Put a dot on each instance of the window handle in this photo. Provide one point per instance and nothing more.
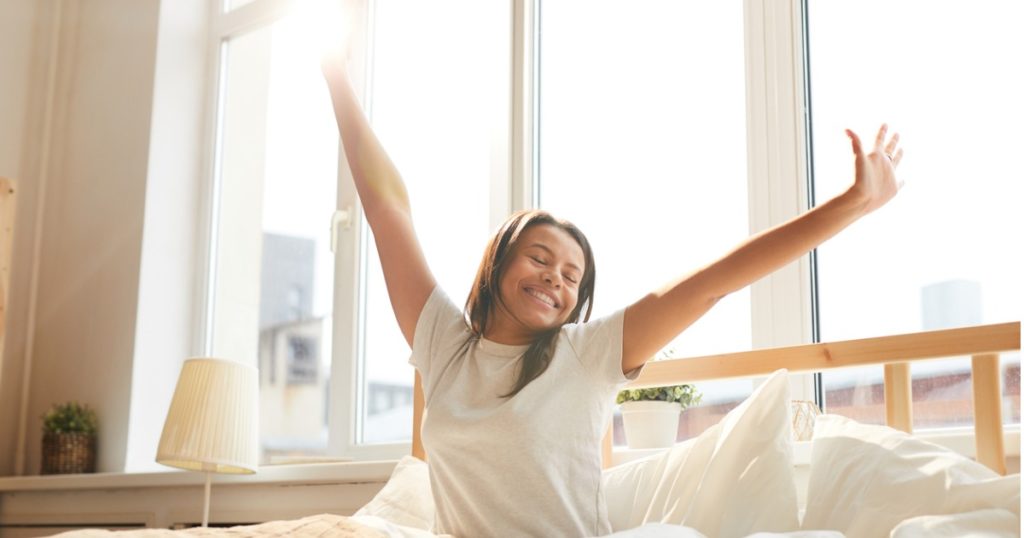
(342, 218)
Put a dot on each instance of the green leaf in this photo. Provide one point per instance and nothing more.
(70, 417)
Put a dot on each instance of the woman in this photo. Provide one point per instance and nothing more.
(519, 385)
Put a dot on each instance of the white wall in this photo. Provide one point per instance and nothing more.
(167, 288)
(95, 145)
(21, 41)
(92, 223)
(15, 48)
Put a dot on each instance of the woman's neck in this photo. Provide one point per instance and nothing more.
(508, 337)
(504, 329)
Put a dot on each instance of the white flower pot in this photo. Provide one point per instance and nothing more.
(650, 424)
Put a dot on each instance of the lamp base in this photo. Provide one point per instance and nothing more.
(206, 501)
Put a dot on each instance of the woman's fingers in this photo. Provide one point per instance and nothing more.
(880, 138)
(890, 148)
(855, 142)
(897, 157)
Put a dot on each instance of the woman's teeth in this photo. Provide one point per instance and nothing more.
(541, 296)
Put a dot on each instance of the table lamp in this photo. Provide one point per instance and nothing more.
(213, 423)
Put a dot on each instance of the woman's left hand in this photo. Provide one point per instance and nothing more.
(875, 182)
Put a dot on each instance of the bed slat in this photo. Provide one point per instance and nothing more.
(988, 412)
(899, 409)
(7, 200)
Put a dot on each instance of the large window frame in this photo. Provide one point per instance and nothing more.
(777, 139)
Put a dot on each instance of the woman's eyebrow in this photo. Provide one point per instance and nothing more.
(550, 252)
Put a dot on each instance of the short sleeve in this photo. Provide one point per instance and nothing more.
(598, 346)
(440, 332)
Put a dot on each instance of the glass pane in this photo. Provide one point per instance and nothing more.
(941, 255)
(273, 268)
(643, 146)
(434, 100)
(234, 4)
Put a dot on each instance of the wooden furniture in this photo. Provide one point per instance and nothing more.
(7, 199)
(982, 343)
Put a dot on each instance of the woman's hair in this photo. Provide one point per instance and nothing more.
(485, 294)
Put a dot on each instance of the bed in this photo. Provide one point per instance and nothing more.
(737, 477)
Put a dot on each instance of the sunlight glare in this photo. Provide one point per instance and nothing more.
(325, 26)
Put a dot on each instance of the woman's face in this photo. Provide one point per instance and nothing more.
(540, 285)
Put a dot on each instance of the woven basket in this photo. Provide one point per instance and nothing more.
(66, 453)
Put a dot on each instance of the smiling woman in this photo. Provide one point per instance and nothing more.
(537, 274)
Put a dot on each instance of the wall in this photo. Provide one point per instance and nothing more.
(164, 330)
(15, 48)
(106, 164)
(17, 25)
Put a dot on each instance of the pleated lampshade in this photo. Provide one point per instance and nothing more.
(213, 422)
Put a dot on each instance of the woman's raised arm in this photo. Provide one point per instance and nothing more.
(654, 320)
(385, 202)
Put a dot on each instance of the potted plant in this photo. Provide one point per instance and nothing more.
(69, 439)
(651, 415)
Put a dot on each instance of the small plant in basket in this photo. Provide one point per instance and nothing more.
(69, 439)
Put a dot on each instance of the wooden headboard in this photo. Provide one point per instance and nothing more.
(983, 344)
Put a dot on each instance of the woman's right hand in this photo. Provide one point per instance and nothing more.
(334, 65)
(875, 173)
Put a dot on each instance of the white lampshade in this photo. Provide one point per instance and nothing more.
(213, 422)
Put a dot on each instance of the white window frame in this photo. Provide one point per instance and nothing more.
(777, 170)
(777, 179)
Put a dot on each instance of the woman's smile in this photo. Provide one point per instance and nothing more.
(543, 297)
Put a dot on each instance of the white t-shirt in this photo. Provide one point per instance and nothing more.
(529, 465)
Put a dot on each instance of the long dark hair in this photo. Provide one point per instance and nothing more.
(485, 295)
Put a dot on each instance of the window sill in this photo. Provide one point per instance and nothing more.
(297, 474)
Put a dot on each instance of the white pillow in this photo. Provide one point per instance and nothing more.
(866, 479)
(734, 479)
(406, 498)
(991, 523)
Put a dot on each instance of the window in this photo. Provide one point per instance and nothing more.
(667, 145)
(642, 144)
(271, 276)
(943, 253)
(471, 149)
(433, 103)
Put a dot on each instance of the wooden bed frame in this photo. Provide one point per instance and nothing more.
(983, 344)
(7, 199)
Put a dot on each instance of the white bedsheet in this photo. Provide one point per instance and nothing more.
(665, 530)
(335, 526)
(318, 526)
